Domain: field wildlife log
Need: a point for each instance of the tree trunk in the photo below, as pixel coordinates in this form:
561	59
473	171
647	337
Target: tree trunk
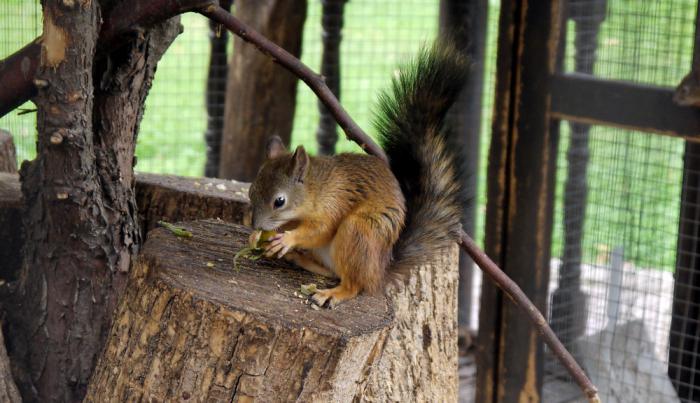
192	326
79	201
332	26
261	96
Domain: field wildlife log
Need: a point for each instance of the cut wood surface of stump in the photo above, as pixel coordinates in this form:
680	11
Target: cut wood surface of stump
417	360
191	327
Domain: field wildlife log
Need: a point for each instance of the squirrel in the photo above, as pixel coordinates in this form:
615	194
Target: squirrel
352	216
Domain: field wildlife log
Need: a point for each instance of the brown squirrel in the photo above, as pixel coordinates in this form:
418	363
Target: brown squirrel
353	217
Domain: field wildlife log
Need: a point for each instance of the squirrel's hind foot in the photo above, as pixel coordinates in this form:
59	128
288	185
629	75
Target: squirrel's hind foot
330	298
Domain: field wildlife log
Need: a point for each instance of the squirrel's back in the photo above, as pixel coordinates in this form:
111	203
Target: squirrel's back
421	152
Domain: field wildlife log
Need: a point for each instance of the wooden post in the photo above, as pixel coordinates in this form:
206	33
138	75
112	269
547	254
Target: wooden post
190	326
332	24
520	192
569	305
684	349
260	95
466	23
216	93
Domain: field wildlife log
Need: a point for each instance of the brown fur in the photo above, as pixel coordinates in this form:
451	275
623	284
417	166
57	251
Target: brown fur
352	208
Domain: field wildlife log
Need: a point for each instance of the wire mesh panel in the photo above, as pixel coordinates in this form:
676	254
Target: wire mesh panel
618	212
639	41
620	330
376	37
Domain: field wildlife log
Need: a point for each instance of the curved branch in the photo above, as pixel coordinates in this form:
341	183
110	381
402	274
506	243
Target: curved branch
354	133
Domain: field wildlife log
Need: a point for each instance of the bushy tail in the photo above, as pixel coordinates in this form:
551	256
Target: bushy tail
421	153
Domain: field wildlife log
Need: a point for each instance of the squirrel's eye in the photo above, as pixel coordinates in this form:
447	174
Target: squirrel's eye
279	202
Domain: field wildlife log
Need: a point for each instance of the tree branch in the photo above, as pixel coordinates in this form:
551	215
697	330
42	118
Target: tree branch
17	71
355	133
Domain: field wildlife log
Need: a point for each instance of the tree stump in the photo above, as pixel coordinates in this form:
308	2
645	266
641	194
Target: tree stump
11	231
176	198
8	156
190	326
8	389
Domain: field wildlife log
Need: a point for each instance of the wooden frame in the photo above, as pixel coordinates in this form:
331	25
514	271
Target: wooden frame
532	96
520	192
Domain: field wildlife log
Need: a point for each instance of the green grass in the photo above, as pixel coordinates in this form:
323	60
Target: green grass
634	179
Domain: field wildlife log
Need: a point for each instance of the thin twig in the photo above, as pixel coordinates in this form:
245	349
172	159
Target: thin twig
354	133
291	63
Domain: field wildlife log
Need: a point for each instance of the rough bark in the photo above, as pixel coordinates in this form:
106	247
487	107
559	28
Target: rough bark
216	93
419	360
192	327
260	96
80	210
8	389
61	193
11	236
8	155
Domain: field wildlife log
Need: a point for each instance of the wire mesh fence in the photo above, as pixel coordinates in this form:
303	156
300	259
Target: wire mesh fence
617	216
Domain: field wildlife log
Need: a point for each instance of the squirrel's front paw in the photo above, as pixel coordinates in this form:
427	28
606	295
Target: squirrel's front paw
279	245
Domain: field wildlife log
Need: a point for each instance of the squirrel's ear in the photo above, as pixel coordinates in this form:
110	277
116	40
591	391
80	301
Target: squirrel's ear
274	147
300	164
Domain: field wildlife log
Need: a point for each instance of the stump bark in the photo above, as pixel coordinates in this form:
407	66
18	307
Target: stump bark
8	155
191	327
8	389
